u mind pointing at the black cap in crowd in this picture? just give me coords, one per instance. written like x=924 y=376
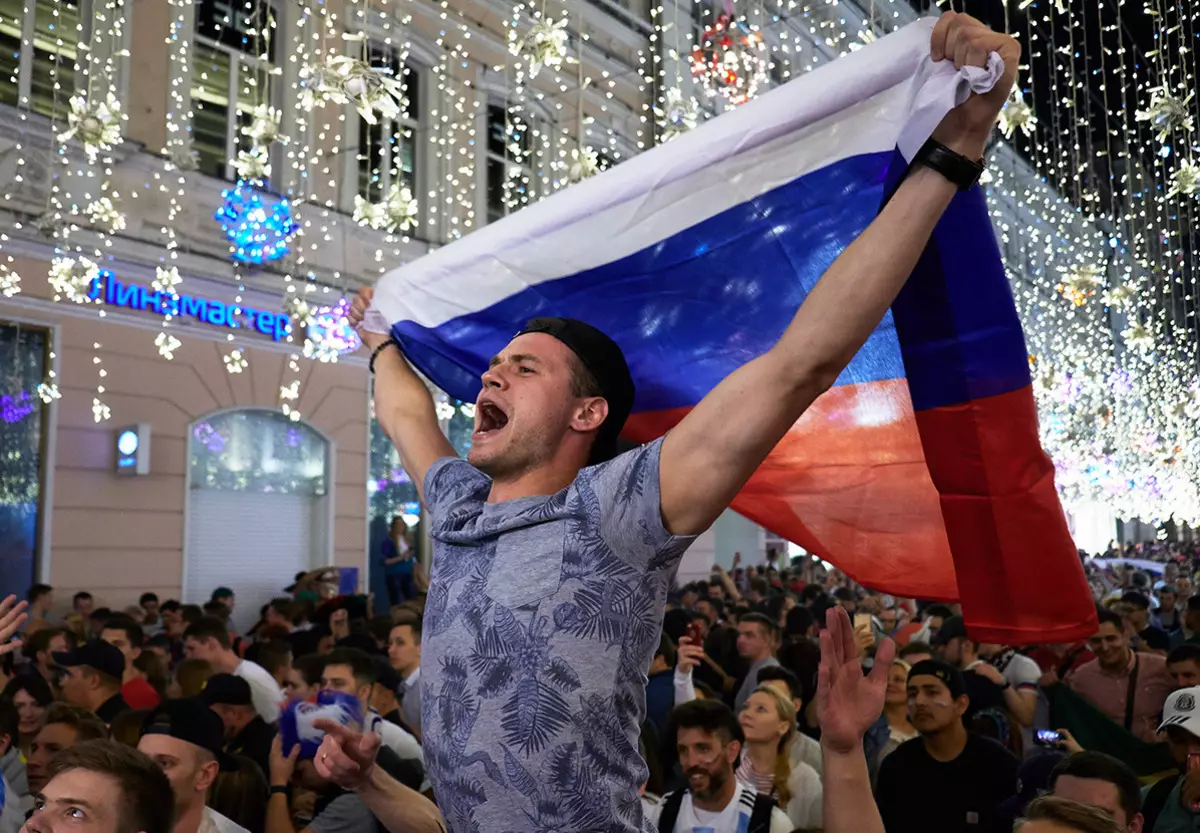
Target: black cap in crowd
x=96 y=654
x=226 y=689
x=191 y=721
x=605 y=361
x=1135 y=599
x=952 y=628
x=944 y=671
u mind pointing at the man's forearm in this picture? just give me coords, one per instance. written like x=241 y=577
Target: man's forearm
x=400 y=394
x=398 y=808
x=848 y=805
x=279 y=814
x=850 y=299
x=1021 y=706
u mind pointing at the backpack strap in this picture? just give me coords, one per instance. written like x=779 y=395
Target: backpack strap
x=760 y=816
x=1156 y=800
x=670 y=811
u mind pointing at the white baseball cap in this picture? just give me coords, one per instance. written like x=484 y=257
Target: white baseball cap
x=1182 y=709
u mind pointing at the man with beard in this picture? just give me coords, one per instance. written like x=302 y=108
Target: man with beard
x=709 y=741
x=972 y=774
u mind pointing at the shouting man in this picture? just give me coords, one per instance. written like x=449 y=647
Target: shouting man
x=553 y=555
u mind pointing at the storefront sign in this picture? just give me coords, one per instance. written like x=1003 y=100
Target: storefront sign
x=114 y=293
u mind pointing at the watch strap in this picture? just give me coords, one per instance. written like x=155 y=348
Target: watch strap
x=960 y=170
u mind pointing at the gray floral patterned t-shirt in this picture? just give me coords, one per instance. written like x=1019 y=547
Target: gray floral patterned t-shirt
x=542 y=619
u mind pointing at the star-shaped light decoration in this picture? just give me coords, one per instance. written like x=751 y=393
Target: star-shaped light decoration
x=341 y=79
x=235 y=362
x=1185 y=180
x=72 y=279
x=253 y=165
x=165 y=280
x=1017 y=115
x=1167 y=113
x=544 y=45
x=300 y=310
x=1139 y=337
x=584 y=164
x=167 y=344
x=100 y=411
x=290 y=391
x=48 y=392
x=677 y=115
x=1119 y=296
x=97 y=125
x=397 y=212
x=263 y=129
x=10 y=282
x=367 y=213
x=1081 y=283
x=102 y=212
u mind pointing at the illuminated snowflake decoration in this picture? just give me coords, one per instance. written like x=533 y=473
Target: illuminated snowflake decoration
x=97 y=125
x=10 y=282
x=1167 y=114
x=100 y=411
x=1119 y=296
x=257 y=233
x=584 y=164
x=330 y=334
x=165 y=280
x=677 y=116
x=263 y=129
x=341 y=79
x=103 y=212
x=397 y=212
x=1139 y=337
x=48 y=392
x=1081 y=283
x=300 y=310
x=1185 y=180
x=730 y=62
x=1017 y=115
x=544 y=45
x=167 y=344
x=235 y=362
x=290 y=391
x=72 y=279
x=253 y=165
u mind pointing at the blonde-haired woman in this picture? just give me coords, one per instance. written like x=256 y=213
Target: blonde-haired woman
x=769 y=720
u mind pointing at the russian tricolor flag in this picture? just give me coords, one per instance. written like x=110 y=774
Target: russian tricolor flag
x=920 y=472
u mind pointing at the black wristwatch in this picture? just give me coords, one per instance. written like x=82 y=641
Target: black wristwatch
x=957 y=168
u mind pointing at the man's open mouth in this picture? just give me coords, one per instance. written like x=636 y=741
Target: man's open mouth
x=491 y=419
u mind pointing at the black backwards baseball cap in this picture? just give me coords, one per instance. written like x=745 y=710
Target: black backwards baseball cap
x=944 y=671
x=96 y=654
x=227 y=690
x=191 y=721
x=605 y=361
x=952 y=628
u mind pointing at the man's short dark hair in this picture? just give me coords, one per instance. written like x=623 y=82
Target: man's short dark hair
x=799 y=620
x=1184 y=652
x=1105 y=614
x=170 y=606
x=360 y=663
x=39 y=641
x=1168 y=588
x=666 y=650
x=37 y=591
x=100 y=614
x=127 y=625
x=1097 y=766
x=87 y=726
x=1193 y=604
x=759 y=586
x=778 y=672
x=209 y=627
x=843 y=594
x=711 y=716
x=81 y=596
x=310 y=667
x=940 y=610
x=148 y=597
x=914 y=648
x=410 y=619
x=272 y=656
x=191 y=613
x=1081 y=818
x=146 y=800
x=769 y=626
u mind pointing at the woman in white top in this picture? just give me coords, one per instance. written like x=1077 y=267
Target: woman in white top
x=895 y=709
x=769 y=720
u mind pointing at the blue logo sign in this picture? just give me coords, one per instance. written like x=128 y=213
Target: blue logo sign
x=127 y=443
x=113 y=292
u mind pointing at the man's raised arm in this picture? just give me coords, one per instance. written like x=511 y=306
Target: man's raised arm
x=403 y=404
x=714 y=450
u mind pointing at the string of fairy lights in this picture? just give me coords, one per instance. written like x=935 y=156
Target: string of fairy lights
x=1092 y=190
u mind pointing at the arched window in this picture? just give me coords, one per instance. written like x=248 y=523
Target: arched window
x=258 y=451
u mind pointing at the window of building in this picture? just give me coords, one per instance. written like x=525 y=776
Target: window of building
x=509 y=162
x=228 y=66
x=52 y=33
x=388 y=149
x=24 y=354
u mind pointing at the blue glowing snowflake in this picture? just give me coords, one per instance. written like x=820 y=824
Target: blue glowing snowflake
x=257 y=232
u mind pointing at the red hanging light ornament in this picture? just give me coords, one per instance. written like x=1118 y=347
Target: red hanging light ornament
x=729 y=61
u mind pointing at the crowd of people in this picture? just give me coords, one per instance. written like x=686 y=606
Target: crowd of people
x=958 y=736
